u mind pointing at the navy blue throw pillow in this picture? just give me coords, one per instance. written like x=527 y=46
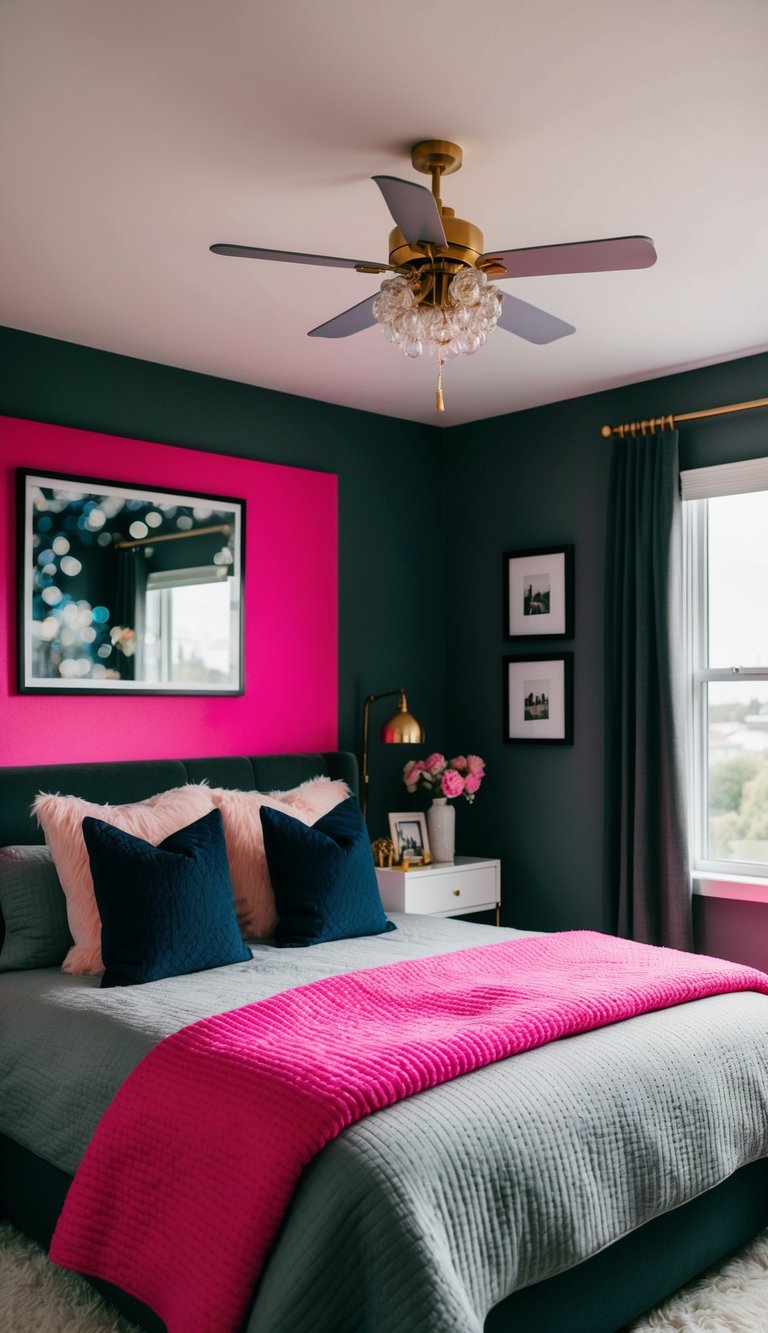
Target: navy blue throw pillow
x=164 y=910
x=323 y=876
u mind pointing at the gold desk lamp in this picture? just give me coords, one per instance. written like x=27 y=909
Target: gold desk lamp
x=400 y=729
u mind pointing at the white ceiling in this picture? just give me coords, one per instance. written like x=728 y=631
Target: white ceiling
x=134 y=133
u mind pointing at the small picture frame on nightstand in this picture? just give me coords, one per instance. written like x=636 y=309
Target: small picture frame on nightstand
x=409 y=834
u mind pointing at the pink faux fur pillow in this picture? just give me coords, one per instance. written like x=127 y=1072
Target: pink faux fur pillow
x=254 y=899
x=61 y=819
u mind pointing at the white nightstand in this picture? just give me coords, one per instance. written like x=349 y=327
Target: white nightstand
x=470 y=884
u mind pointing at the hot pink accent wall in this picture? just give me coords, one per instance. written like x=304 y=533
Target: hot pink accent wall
x=291 y=611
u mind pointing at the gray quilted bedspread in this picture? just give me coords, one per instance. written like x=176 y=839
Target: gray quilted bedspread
x=423 y=1216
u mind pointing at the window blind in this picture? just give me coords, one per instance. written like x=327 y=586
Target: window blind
x=160 y=579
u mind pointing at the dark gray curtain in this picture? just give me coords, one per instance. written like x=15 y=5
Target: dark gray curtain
x=647 y=875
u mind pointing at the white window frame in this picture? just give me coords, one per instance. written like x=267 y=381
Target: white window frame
x=697 y=487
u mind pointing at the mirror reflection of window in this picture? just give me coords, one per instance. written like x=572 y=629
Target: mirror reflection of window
x=187 y=637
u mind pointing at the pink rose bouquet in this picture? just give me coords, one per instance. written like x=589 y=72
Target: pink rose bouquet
x=446 y=777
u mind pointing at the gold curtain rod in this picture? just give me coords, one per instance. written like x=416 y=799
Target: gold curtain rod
x=669 y=422
x=173 y=536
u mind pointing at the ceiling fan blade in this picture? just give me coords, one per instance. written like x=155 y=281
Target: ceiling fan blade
x=292 y=257
x=528 y=322
x=413 y=208
x=355 y=319
x=618 y=252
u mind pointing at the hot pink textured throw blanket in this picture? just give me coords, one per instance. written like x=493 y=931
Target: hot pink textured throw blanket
x=191 y=1169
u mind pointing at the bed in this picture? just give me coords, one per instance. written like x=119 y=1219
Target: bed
x=572 y=1186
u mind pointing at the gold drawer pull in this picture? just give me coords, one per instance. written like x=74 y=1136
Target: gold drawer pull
x=457 y=893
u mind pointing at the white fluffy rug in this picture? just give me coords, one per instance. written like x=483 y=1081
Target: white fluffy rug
x=36 y=1297
x=732 y=1297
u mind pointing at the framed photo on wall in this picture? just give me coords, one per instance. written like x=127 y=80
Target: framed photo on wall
x=409 y=834
x=538 y=593
x=538 y=699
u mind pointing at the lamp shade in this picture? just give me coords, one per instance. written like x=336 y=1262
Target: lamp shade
x=402 y=728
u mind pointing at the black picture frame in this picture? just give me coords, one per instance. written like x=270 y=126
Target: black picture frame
x=61 y=500
x=537 y=699
x=538 y=593
x=413 y=823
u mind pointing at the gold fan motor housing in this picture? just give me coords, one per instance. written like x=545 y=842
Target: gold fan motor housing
x=438 y=158
x=465 y=244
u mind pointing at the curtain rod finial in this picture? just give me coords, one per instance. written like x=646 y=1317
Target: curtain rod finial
x=606 y=432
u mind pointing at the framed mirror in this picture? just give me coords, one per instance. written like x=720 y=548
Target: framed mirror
x=126 y=590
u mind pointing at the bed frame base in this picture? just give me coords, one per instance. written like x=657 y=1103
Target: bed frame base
x=628 y=1278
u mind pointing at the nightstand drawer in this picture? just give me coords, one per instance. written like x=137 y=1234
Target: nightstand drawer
x=457 y=891
x=471 y=885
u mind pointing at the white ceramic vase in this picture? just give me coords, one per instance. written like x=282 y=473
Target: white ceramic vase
x=441 y=826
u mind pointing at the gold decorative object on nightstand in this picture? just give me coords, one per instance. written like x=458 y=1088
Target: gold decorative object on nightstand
x=406 y=864
x=384 y=857
x=383 y=853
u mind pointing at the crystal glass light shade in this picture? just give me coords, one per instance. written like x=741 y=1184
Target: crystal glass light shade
x=458 y=327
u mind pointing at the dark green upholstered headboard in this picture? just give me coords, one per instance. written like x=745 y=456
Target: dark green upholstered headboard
x=135 y=780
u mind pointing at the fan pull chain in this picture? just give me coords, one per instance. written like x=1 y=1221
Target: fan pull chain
x=439 y=400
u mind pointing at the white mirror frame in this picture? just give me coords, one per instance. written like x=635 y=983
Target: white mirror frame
x=93 y=649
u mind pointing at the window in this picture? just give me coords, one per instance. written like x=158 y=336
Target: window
x=726 y=526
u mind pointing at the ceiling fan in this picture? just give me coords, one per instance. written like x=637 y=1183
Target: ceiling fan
x=439 y=298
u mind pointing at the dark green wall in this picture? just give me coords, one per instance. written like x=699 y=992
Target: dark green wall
x=540 y=478
x=390 y=623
